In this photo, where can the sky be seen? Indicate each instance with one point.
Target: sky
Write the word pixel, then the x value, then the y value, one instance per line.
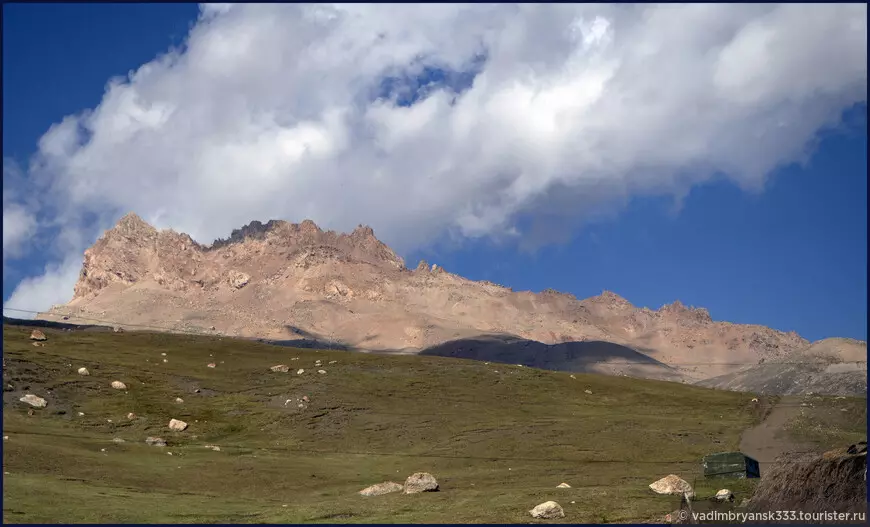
pixel 714 154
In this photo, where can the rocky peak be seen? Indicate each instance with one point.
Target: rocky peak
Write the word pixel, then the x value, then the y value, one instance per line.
pixel 131 227
pixel 680 311
pixel 611 299
pixel 422 267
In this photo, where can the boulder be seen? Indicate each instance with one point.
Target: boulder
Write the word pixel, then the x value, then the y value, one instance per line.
pixel 548 510
pixel 724 495
pixel 563 486
pixel 672 484
pixel 155 441
pixel 282 368
pixel 37 335
pixel 321 371
pixel 84 371
pixel 118 385
pixel 213 447
pixel 131 416
pixel 179 400
pixel 176 425
pixel 381 488
pixel 300 371
pixel 420 482
pixel 33 400
pixel 212 365
pixel 238 279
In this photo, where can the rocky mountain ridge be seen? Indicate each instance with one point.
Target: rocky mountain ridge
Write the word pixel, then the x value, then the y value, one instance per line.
pixel 281 280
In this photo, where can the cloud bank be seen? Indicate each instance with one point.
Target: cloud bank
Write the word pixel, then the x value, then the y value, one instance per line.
pixel 431 120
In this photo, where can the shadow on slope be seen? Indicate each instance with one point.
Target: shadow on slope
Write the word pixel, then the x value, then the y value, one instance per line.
pixel 582 357
pixel 54 325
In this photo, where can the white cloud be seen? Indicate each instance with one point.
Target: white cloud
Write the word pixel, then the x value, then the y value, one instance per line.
pixel 267 113
pixel 54 286
pixel 18 226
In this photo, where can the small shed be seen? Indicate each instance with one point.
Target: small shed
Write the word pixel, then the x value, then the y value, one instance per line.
pixel 730 465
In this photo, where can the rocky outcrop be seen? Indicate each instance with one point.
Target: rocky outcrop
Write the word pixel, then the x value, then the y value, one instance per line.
pixel 549 510
pixel 34 401
pixel 381 488
pixel 177 425
pixel 420 482
pixel 672 484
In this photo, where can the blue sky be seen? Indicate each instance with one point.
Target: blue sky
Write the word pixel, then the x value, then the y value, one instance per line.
pixel 792 255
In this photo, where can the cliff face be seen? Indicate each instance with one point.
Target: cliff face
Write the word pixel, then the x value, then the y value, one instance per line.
pixel 287 281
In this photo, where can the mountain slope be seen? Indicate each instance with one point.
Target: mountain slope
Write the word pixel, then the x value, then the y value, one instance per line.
pixel 284 281
pixel 831 366
pixel 498 439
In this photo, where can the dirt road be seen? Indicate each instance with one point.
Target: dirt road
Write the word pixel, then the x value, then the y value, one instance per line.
pixel 769 439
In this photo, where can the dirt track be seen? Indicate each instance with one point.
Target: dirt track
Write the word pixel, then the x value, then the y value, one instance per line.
pixel 769 439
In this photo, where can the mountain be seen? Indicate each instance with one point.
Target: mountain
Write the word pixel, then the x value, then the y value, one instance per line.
pixel 834 366
pixel 295 282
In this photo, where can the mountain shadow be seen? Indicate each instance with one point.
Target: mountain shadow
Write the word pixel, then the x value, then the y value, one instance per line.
pixel 581 357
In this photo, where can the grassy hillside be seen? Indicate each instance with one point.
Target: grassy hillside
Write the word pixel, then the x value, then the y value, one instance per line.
pixel 499 438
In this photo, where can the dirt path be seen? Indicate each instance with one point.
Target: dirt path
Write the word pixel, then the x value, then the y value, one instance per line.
pixel 769 439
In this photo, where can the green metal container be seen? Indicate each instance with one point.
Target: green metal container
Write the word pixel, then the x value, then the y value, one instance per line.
pixel 730 465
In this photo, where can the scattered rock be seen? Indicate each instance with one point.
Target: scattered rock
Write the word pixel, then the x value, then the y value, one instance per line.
pixel 548 510
pixel 587 392
pixel 755 399
pixel 165 360
pixel 321 371
pixel 573 377
pixel 178 426
pixel 305 399
pixel 118 440
pixel 163 354
pixel 38 344
pixel 300 371
pixel 213 447
pixel 724 495
pixel 672 484
pixel 5 438
pixel 563 486
pixel 381 488
pixel 118 385
pixel 81 414
pixel 84 371
pixel 420 482
pixel 283 368
pixel 212 365
pixel 179 400
pixel 131 416
pixel 238 279
pixel 295 358
pixel 34 400
pixel 155 441
pixel 333 361
pixel 37 335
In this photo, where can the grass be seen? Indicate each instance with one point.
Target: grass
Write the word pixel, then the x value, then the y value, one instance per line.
pixel 826 423
pixel 498 438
